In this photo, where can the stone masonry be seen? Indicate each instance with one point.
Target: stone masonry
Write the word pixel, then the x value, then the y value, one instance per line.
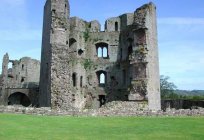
pixel 83 67
pixel 19 84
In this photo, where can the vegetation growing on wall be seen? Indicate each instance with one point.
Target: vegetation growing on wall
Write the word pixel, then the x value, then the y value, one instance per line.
pixel 88 64
pixel 86 34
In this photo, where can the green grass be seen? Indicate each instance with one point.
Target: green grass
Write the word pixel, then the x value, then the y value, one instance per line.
pixel 25 127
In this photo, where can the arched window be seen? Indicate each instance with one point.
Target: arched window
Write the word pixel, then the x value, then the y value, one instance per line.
pixel 99 52
pixel 116 26
pixel 105 52
pixel 74 79
pixel 102 50
pixel 101 78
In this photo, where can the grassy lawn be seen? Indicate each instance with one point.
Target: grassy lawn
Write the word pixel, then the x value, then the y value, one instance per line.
pixel 25 127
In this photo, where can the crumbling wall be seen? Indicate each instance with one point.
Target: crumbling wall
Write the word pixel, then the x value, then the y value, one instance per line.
pixel 24 75
pixel 83 67
pixel 25 72
pixel 153 83
pixel 55 84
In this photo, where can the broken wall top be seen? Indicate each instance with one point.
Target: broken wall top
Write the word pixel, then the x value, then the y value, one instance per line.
pixel 140 15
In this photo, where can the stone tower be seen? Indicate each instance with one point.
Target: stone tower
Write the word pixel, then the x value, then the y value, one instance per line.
pixel 4 81
pixel 54 79
pixel 154 99
pixel 5 70
pixel 144 59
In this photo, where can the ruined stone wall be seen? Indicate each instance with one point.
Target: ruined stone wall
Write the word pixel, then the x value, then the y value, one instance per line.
pixel 126 20
pixel 72 64
pixel 1 87
pixel 24 73
pixel 110 109
pixel 4 81
pixel 45 74
pixel 54 85
pixel 153 84
pixel 87 64
pixel 113 24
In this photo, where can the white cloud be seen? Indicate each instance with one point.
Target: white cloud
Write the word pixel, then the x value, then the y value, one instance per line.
pixel 181 21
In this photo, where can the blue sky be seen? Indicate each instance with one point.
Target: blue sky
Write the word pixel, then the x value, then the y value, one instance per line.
pixel 180 32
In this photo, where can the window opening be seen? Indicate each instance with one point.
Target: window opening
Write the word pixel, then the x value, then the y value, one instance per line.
pixel 22 79
pixel 121 54
pixel 74 79
pixel 105 52
pixel 116 26
pixel 80 52
pixel 81 81
pixel 102 78
pixel 100 52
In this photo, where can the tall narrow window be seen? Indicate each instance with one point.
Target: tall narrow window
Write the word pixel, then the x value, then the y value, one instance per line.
pixel 22 67
pixel 121 54
pixel 102 78
pixel 100 52
pixel 105 52
pixel 130 50
pixel 74 79
pixel 129 44
pixel 116 26
pixel 81 81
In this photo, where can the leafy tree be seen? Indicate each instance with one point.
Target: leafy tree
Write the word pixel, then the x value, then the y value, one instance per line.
pixel 167 88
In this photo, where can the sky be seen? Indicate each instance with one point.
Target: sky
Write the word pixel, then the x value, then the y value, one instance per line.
pixel 180 32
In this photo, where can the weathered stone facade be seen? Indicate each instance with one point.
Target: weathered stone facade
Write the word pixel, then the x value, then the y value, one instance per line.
pixel 20 84
pixel 83 67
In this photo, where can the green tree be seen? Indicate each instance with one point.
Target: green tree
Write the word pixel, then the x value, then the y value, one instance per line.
pixel 167 88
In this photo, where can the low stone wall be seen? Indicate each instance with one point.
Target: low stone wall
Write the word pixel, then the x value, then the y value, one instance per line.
pixel 110 109
pixel 181 104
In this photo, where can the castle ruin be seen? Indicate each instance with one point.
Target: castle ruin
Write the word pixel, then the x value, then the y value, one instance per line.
pixel 84 67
